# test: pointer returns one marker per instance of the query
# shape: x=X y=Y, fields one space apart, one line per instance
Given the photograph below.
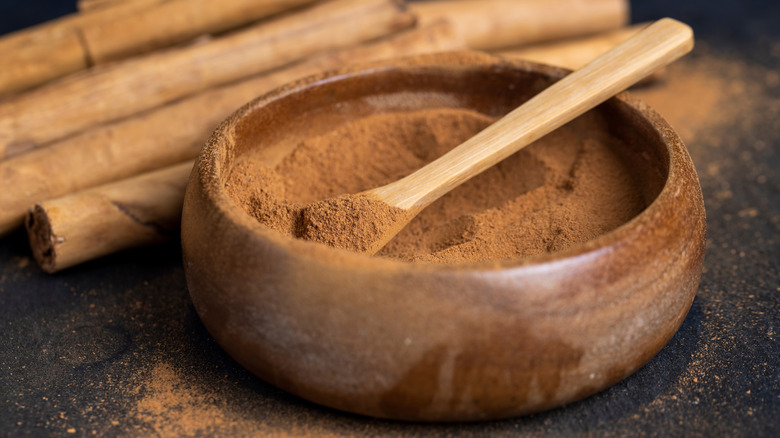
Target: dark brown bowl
x=428 y=342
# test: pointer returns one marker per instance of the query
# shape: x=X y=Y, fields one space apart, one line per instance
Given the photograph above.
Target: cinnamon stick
x=494 y=24
x=169 y=134
x=91 y=5
x=113 y=33
x=52 y=56
x=576 y=52
x=139 y=211
x=53 y=49
x=123 y=89
x=172 y=22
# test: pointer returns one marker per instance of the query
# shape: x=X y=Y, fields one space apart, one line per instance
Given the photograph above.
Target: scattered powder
x=698 y=96
x=714 y=101
x=690 y=102
x=169 y=405
x=566 y=189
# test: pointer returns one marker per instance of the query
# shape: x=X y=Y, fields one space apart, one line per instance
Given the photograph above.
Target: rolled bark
x=92 y=5
x=50 y=57
x=112 y=152
x=495 y=24
x=113 y=33
x=169 y=134
x=105 y=94
x=53 y=49
x=136 y=212
x=172 y=22
x=576 y=52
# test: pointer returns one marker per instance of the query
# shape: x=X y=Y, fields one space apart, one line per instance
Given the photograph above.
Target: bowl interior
x=272 y=130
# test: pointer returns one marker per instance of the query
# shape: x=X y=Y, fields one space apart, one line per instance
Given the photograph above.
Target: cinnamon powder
x=354 y=222
x=565 y=189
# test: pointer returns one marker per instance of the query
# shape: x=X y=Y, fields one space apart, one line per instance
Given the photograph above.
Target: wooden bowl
x=409 y=341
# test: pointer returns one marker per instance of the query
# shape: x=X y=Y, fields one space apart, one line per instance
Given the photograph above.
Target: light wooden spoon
x=365 y=222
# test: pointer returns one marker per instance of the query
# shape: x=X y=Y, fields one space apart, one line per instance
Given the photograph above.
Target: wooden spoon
x=365 y=222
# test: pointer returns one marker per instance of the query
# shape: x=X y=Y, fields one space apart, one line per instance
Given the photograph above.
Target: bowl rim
x=209 y=170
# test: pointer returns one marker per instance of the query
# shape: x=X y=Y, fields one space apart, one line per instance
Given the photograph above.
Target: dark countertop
x=114 y=347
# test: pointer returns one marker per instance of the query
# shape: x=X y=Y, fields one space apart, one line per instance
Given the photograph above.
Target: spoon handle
x=656 y=46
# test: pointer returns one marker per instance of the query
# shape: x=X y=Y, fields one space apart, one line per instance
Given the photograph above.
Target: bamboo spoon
x=367 y=221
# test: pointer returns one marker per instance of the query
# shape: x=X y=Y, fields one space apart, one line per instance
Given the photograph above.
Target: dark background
x=72 y=342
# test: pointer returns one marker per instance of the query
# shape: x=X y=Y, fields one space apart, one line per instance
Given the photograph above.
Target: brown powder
x=699 y=96
x=170 y=402
x=355 y=222
x=566 y=189
x=169 y=406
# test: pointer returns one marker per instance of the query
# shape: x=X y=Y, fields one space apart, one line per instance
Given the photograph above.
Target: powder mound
x=567 y=188
x=259 y=190
x=353 y=222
